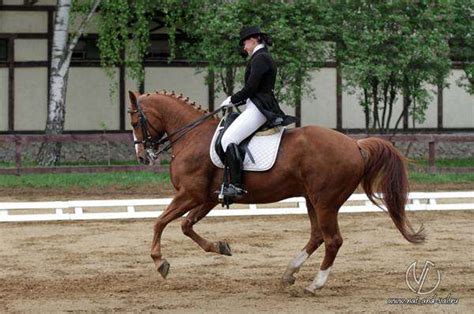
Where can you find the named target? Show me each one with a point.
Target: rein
(149, 143)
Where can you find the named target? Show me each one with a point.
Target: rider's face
(250, 44)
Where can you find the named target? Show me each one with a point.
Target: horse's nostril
(142, 160)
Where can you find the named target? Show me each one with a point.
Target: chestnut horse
(320, 164)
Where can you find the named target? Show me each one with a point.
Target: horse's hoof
(309, 291)
(164, 268)
(288, 280)
(224, 248)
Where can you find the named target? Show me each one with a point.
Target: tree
(64, 42)
(211, 37)
(124, 34)
(212, 28)
(461, 41)
(123, 39)
(392, 48)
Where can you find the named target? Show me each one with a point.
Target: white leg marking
(319, 280)
(294, 267)
(299, 260)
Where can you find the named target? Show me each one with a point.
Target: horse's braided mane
(184, 99)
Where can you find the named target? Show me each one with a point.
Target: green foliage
(461, 26)
(391, 48)
(210, 27)
(385, 49)
(124, 35)
(213, 30)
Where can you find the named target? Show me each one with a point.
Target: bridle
(150, 144)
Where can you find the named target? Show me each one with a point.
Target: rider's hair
(265, 39)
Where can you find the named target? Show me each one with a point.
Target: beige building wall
(46, 2)
(31, 50)
(289, 110)
(23, 22)
(431, 113)
(352, 113)
(322, 109)
(458, 107)
(13, 2)
(179, 79)
(31, 93)
(88, 104)
(219, 98)
(238, 85)
(91, 28)
(22, 2)
(3, 99)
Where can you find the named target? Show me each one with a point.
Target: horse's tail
(386, 173)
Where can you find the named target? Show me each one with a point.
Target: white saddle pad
(264, 150)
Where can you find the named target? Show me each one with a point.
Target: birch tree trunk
(63, 45)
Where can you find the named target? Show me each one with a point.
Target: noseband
(149, 143)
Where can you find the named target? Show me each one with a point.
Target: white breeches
(245, 124)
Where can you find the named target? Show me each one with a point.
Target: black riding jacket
(260, 76)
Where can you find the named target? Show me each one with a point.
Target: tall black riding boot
(235, 163)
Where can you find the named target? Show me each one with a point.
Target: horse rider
(261, 104)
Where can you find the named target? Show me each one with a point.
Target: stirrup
(221, 193)
(233, 191)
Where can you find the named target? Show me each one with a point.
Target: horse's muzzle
(143, 160)
(148, 158)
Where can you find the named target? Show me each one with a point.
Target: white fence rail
(139, 208)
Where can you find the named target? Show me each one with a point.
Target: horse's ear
(133, 97)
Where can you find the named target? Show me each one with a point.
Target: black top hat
(247, 32)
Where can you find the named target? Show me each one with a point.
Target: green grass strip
(441, 177)
(83, 180)
(465, 162)
(133, 179)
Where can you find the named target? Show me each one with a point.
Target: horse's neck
(177, 115)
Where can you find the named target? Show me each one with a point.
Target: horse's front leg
(178, 207)
(196, 214)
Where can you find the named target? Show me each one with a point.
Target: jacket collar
(259, 51)
(259, 46)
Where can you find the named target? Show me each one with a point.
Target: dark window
(160, 51)
(86, 49)
(3, 49)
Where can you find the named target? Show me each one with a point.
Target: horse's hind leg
(196, 214)
(314, 242)
(327, 217)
